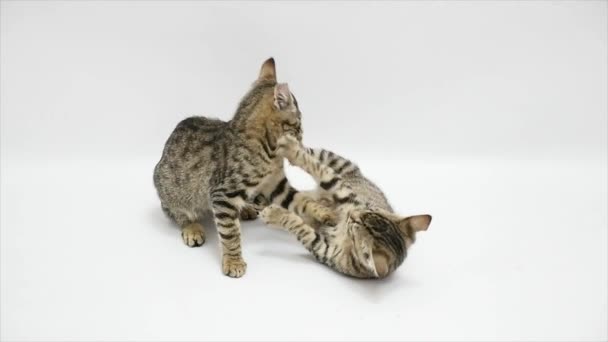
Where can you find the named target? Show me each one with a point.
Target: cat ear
(282, 96)
(380, 265)
(268, 71)
(415, 223)
(369, 259)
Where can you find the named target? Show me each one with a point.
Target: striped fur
(209, 166)
(369, 239)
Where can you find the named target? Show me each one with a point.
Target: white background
(491, 116)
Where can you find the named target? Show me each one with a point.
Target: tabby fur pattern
(210, 166)
(369, 240)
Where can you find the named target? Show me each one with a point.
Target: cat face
(383, 238)
(287, 106)
(285, 110)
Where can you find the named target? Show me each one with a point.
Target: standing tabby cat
(369, 240)
(209, 165)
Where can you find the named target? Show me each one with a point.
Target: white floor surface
(517, 250)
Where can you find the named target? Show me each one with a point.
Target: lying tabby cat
(369, 240)
(212, 165)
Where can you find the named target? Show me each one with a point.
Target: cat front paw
(248, 213)
(234, 267)
(321, 213)
(326, 217)
(272, 214)
(288, 145)
(260, 202)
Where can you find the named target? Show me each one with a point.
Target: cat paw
(272, 214)
(248, 213)
(193, 235)
(259, 202)
(327, 217)
(233, 267)
(288, 144)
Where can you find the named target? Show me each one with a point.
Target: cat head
(272, 104)
(382, 238)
